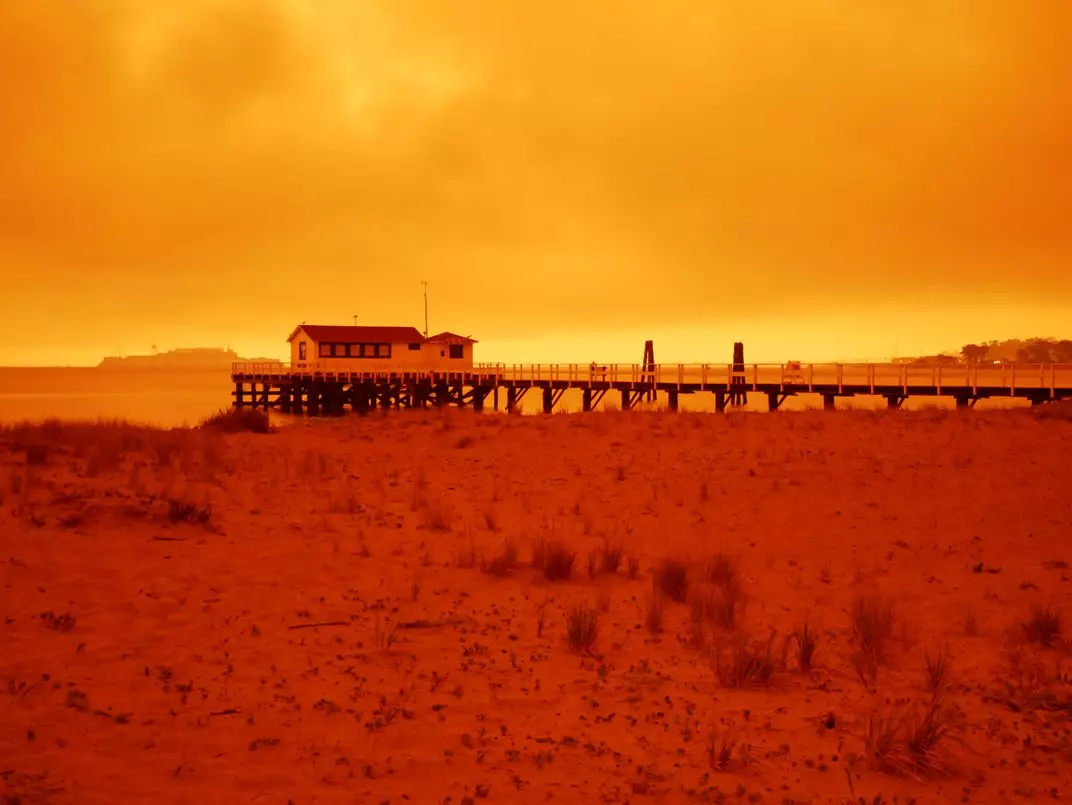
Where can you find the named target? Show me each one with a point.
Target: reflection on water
(175, 399)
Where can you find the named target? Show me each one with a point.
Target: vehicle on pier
(793, 373)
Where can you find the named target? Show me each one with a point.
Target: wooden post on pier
(648, 369)
(586, 400)
(671, 399)
(720, 402)
(548, 400)
(511, 400)
(828, 402)
(738, 395)
(626, 399)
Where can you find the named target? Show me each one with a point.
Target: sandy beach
(445, 607)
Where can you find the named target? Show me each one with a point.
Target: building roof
(451, 338)
(330, 333)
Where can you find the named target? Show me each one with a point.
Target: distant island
(196, 359)
(1014, 350)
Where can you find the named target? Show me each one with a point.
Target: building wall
(431, 356)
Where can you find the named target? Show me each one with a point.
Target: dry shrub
(612, 557)
(180, 511)
(582, 628)
(1043, 625)
(805, 640)
(672, 579)
(238, 420)
(554, 559)
(36, 454)
(915, 745)
(503, 562)
(744, 662)
(633, 563)
(936, 668)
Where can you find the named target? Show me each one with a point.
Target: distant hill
(198, 358)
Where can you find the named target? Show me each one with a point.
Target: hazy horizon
(820, 180)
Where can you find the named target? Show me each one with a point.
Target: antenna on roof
(425, 284)
(355, 320)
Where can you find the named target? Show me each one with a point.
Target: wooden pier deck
(278, 385)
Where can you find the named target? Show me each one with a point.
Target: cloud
(538, 161)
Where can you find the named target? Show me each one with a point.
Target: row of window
(383, 351)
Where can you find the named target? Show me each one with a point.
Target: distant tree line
(1031, 350)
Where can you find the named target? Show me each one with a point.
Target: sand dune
(359, 610)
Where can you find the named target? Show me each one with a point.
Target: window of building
(303, 350)
(325, 350)
(457, 351)
(383, 350)
(414, 347)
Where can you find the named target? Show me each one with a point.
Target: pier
(281, 386)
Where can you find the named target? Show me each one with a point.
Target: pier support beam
(511, 400)
(962, 402)
(479, 395)
(548, 400)
(893, 401)
(586, 400)
(671, 400)
(829, 402)
(495, 398)
(774, 400)
(720, 402)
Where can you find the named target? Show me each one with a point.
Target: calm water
(184, 398)
(159, 398)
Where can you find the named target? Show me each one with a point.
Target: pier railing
(790, 376)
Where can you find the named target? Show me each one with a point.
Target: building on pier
(367, 350)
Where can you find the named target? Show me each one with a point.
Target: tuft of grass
(672, 578)
(719, 749)
(1043, 625)
(971, 623)
(502, 563)
(720, 569)
(582, 628)
(238, 420)
(466, 557)
(653, 612)
(491, 522)
(914, 745)
(633, 563)
(591, 564)
(746, 663)
(385, 634)
(611, 556)
(872, 627)
(554, 559)
(437, 517)
(805, 640)
(936, 668)
(415, 587)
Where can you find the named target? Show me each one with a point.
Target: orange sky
(822, 178)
